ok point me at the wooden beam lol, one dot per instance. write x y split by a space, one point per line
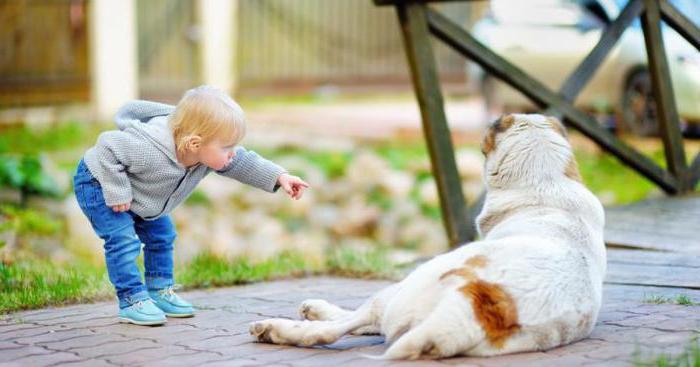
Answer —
585 70
466 45
684 26
667 115
695 172
419 51
578 79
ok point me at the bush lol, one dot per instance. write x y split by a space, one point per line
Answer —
26 175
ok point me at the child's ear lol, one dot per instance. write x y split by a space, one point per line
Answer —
194 143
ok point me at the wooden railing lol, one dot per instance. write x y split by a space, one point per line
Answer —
418 22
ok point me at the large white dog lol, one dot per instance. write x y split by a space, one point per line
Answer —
533 281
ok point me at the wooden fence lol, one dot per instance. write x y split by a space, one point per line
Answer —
43 58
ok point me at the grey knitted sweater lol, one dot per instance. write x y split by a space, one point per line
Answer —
138 164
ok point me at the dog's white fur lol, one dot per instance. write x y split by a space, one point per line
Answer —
533 282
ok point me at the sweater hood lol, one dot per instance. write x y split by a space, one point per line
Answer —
149 119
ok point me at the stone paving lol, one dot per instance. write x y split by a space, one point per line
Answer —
89 334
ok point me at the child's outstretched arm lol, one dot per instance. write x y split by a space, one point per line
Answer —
250 168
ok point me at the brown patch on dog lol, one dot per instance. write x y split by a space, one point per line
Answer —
494 309
463 272
502 124
558 126
478 261
572 171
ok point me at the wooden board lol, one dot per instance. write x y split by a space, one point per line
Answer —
666 224
647 268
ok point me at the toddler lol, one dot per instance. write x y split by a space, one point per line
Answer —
130 181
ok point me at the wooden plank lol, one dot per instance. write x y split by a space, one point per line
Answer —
684 26
668 224
646 268
687 29
416 38
465 44
656 258
653 275
669 122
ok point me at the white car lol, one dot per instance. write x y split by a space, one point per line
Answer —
549 38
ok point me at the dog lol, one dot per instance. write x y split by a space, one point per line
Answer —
533 282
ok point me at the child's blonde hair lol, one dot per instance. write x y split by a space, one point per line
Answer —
206 112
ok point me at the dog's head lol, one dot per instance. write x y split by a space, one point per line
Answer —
525 150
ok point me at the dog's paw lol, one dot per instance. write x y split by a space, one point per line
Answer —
314 309
261 331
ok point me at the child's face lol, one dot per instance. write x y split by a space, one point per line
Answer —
216 154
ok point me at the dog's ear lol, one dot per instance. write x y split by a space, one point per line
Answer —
558 126
572 171
502 124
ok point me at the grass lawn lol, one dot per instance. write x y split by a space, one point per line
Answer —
690 357
31 283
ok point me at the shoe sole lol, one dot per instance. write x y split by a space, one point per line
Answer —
179 315
144 323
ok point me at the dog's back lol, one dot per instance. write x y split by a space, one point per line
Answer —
535 279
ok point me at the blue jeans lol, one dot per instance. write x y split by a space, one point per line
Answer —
123 233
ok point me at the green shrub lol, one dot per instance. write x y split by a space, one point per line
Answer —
26 175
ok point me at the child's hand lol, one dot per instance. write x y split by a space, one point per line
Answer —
293 185
121 207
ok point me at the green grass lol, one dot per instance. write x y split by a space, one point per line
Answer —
198 198
684 300
25 140
349 262
208 270
32 283
28 221
603 173
690 357
681 299
35 283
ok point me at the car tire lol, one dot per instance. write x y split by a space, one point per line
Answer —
638 107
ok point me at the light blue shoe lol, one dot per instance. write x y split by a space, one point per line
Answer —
171 303
142 313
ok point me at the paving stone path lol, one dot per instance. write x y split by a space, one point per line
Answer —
89 334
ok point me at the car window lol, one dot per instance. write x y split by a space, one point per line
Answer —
689 8
558 13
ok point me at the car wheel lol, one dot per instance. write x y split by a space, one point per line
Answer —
638 106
